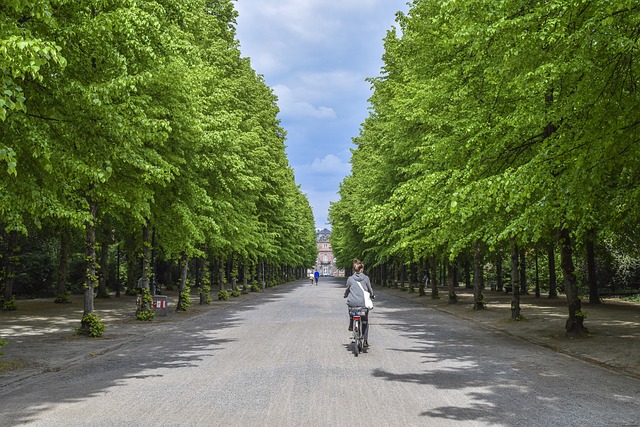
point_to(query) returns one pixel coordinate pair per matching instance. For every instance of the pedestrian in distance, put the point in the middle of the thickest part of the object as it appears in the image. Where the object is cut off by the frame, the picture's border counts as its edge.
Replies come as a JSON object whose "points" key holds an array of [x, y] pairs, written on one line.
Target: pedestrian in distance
{"points": [[316, 275]]}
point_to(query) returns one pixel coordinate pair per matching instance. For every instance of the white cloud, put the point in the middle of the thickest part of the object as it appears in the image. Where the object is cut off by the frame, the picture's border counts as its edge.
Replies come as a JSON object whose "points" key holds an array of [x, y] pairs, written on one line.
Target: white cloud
{"points": [[316, 54], [330, 164], [291, 106]]}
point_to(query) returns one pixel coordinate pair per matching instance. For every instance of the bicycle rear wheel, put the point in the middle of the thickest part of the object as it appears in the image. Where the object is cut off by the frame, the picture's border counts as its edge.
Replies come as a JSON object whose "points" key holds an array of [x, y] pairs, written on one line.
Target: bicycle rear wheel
{"points": [[356, 337]]}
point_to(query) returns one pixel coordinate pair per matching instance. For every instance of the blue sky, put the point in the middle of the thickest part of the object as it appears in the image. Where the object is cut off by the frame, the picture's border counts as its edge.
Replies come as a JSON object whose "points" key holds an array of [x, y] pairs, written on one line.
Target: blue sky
{"points": [[316, 55]]}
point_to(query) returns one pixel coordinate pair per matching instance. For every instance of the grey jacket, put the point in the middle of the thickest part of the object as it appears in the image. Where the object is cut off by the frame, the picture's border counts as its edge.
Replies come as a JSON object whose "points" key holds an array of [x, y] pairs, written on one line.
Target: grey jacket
{"points": [[353, 293]]}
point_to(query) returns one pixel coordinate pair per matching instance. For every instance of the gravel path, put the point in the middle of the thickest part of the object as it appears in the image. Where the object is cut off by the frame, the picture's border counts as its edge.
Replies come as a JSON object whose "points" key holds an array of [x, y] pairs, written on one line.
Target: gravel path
{"points": [[284, 358]]}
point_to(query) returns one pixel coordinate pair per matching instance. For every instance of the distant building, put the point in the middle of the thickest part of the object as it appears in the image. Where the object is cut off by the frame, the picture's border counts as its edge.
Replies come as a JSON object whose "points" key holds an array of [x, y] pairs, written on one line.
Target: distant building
{"points": [[326, 263]]}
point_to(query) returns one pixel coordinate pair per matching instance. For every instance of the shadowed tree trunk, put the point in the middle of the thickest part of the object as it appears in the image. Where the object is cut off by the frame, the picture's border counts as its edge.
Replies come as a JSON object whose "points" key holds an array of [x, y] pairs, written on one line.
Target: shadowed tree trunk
{"points": [[423, 277], [553, 282], [11, 264], [499, 278], [91, 278], [102, 268], [451, 276], [594, 295], [184, 264], [434, 278], [515, 285], [537, 275], [574, 326], [65, 238], [478, 298], [523, 273]]}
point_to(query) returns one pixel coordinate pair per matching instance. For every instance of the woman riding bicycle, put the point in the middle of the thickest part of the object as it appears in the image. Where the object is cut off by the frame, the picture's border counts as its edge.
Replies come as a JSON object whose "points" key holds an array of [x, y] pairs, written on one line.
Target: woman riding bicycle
{"points": [[356, 285]]}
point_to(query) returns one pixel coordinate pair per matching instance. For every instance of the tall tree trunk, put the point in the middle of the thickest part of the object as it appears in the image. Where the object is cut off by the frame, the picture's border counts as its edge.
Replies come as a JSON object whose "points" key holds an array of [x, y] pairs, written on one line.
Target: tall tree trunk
{"points": [[537, 275], [132, 265], [467, 274], [221, 273], [118, 273], [594, 295], [553, 281], [102, 278], [515, 285], [63, 264], [146, 254], [451, 276], [499, 278], [184, 263], [574, 326], [91, 278], [423, 276], [434, 278], [478, 298], [11, 264], [523, 273]]}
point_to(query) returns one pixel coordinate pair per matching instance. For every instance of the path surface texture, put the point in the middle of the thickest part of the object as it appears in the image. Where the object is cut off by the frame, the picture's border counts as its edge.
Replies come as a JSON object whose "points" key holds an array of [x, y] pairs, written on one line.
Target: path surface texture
{"points": [[284, 357]]}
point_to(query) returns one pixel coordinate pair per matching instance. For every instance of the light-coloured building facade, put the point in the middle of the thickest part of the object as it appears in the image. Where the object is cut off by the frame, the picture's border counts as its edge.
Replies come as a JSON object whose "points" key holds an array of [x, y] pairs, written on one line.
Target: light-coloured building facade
{"points": [[326, 262]]}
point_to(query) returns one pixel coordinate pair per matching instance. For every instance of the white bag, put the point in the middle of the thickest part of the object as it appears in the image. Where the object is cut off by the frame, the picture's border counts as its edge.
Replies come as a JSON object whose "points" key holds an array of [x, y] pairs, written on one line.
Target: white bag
{"points": [[367, 297]]}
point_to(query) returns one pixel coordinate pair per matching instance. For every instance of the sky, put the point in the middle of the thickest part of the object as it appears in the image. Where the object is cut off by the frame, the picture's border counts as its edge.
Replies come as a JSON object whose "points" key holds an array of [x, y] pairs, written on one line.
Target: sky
{"points": [[316, 55]]}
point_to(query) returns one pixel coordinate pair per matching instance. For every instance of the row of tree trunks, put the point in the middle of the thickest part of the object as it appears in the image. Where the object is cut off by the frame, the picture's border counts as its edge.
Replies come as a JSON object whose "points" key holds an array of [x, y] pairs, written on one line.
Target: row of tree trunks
{"points": [[395, 272]]}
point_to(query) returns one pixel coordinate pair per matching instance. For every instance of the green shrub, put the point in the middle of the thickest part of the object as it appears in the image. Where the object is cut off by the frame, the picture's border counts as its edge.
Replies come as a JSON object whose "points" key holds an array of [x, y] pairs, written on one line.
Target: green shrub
{"points": [[2, 343], [91, 326], [63, 298], [10, 305], [223, 295], [235, 292], [255, 287]]}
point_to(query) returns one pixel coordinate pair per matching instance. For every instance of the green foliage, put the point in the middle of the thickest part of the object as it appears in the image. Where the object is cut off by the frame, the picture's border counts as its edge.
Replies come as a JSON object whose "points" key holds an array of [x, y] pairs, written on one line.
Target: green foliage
{"points": [[63, 298], [2, 344], [632, 298], [235, 292], [145, 311], [10, 305], [495, 124], [581, 314], [255, 287], [91, 326], [223, 295]]}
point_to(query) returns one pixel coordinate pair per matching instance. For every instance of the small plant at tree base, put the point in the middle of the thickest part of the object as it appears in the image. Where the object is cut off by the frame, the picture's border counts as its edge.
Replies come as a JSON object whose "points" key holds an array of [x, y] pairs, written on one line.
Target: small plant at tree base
{"points": [[255, 287], [91, 326], [145, 310], [10, 305], [235, 292], [2, 343], [223, 295], [581, 314], [63, 298], [185, 299], [206, 291]]}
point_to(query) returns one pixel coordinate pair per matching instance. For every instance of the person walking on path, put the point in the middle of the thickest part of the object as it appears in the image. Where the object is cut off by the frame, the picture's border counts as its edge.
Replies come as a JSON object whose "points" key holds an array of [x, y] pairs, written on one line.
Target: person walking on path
{"points": [[357, 284], [316, 275]]}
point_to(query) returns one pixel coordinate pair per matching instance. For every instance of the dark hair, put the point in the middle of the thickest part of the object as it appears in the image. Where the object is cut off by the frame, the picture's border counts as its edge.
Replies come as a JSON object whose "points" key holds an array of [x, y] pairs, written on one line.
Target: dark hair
{"points": [[358, 266]]}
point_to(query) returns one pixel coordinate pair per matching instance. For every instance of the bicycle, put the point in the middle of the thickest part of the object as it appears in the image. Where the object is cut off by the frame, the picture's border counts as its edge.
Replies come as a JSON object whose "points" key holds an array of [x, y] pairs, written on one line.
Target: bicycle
{"points": [[358, 328]]}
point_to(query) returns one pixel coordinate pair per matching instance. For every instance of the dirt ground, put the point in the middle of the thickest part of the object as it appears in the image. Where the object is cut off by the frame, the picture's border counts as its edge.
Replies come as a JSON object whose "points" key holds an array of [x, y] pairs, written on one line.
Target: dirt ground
{"points": [[614, 325], [41, 334]]}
